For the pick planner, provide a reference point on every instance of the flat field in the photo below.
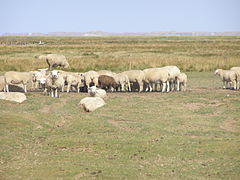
(116, 53)
(177, 135)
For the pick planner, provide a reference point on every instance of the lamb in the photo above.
(182, 80)
(13, 77)
(157, 75)
(228, 76)
(107, 82)
(173, 71)
(96, 92)
(136, 76)
(91, 78)
(54, 83)
(2, 83)
(122, 81)
(55, 60)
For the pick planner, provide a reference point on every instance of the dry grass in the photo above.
(115, 53)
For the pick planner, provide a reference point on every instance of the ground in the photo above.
(177, 135)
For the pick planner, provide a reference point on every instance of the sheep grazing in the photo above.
(96, 92)
(173, 71)
(13, 77)
(91, 78)
(122, 81)
(228, 76)
(107, 82)
(54, 83)
(182, 80)
(2, 83)
(74, 80)
(136, 76)
(55, 60)
(157, 75)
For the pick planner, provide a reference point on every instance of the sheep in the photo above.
(157, 75)
(136, 76)
(91, 78)
(107, 82)
(182, 80)
(37, 75)
(55, 60)
(96, 92)
(13, 77)
(54, 83)
(122, 81)
(236, 69)
(74, 80)
(174, 71)
(228, 76)
(2, 83)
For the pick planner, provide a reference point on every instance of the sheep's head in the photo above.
(92, 89)
(218, 71)
(54, 74)
(42, 81)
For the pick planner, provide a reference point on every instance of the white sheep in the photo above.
(91, 78)
(182, 81)
(74, 80)
(13, 77)
(122, 81)
(54, 83)
(228, 76)
(96, 92)
(55, 60)
(173, 71)
(157, 75)
(136, 76)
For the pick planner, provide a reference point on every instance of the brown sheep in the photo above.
(107, 82)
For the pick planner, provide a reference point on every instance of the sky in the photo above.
(18, 16)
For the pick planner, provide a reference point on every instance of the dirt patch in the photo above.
(229, 126)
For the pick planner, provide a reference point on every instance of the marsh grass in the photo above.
(184, 135)
(116, 53)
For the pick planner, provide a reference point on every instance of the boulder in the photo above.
(90, 104)
(13, 96)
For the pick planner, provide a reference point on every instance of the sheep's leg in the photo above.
(164, 87)
(140, 87)
(52, 93)
(224, 84)
(178, 84)
(129, 87)
(7, 88)
(25, 88)
(68, 87)
(234, 85)
(167, 86)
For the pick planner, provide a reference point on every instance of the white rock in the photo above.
(13, 96)
(90, 104)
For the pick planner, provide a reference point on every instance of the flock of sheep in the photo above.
(164, 79)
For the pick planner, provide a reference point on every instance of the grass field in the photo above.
(116, 53)
(184, 135)
(177, 135)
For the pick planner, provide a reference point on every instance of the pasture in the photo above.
(177, 135)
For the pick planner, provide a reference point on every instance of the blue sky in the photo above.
(119, 16)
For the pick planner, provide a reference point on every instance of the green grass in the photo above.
(179, 135)
(201, 53)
